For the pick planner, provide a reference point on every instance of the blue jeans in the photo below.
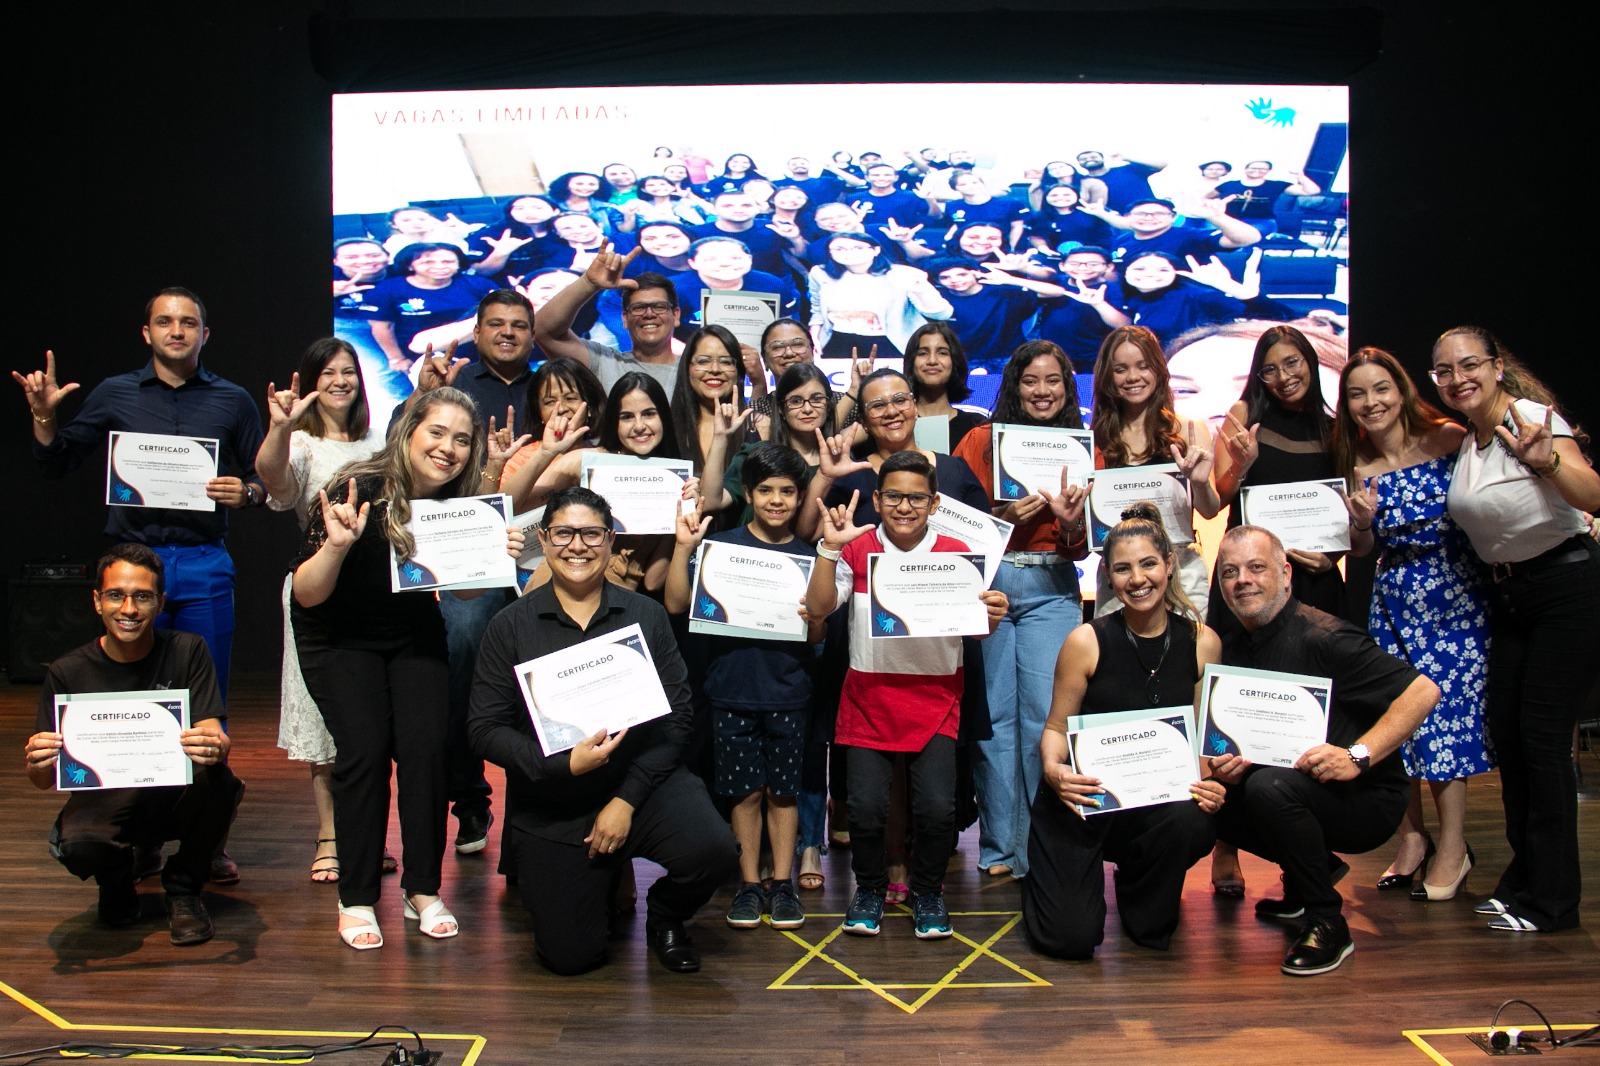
(465, 622)
(1019, 662)
(199, 584)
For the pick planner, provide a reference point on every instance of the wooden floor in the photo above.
(763, 996)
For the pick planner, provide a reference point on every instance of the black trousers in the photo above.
(1544, 629)
(569, 894)
(382, 707)
(1285, 817)
(931, 776)
(95, 833)
(1064, 894)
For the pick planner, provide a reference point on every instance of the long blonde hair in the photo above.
(392, 466)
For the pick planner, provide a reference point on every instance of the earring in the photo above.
(1499, 377)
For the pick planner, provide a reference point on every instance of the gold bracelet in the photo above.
(1552, 469)
(43, 421)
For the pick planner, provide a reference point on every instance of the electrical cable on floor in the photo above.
(285, 1053)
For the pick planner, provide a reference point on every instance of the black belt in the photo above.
(1574, 549)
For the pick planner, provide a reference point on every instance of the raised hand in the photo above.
(439, 371)
(505, 244)
(726, 422)
(1243, 445)
(1193, 459)
(284, 406)
(1362, 505)
(786, 230)
(1013, 261)
(752, 363)
(1215, 275)
(343, 521)
(1211, 206)
(860, 368)
(900, 234)
(39, 388)
(605, 269)
(834, 455)
(503, 443)
(1086, 295)
(1091, 207)
(1068, 504)
(563, 432)
(346, 286)
(839, 523)
(993, 275)
(1534, 443)
(692, 528)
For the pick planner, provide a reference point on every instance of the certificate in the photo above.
(532, 552)
(607, 683)
(1140, 759)
(1268, 717)
(461, 544)
(645, 494)
(1307, 515)
(749, 592)
(122, 740)
(978, 530)
(153, 470)
(1030, 458)
(926, 594)
(933, 433)
(744, 314)
(1116, 490)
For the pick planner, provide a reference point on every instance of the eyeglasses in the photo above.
(1443, 375)
(878, 407)
(592, 536)
(798, 345)
(639, 310)
(1292, 365)
(721, 362)
(919, 501)
(116, 598)
(794, 403)
(1150, 214)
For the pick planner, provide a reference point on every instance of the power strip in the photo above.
(1500, 1043)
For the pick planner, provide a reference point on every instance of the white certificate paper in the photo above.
(1140, 760)
(749, 592)
(461, 544)
(1030, 458)
(978, 530)
(154, 470)
(122, 740)
(926, 594)
(1307, 515)
(532, 553)
(1268, 717)
(1114, 491)
(644, 494)
(744, 314)
(607, 683)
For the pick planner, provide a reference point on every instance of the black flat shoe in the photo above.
(1393, 882)
(675, 948)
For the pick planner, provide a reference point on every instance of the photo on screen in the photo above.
(1011, 212)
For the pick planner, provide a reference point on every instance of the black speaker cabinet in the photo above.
(49, 616)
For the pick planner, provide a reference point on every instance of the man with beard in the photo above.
(1125, 180)
(650, 315)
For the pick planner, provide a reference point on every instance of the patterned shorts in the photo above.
(758, 749)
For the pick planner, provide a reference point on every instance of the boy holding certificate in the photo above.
(758, 689)
(900, 696)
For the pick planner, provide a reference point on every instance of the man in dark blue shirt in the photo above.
(736, 217)
(1081, 319)
(1127, 181)
(171, 395)
(820, 188)
(1149, 228)
(881, 201)
(991, 307)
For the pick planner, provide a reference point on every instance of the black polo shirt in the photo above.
(542, 795)
(1366, 679)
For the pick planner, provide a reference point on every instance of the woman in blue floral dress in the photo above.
(1429, 605)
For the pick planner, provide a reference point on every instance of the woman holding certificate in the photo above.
(1429, 603)
(1519, 487)
(375, 660)
(1040, 581)
(1135, 425)
(309, 439)
(1148, 656)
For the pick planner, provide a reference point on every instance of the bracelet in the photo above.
(1361, 529)
(825, 552)
(1552, 469)
(43, 421)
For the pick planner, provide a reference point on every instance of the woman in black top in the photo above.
(375, 661)
(1149, 654)
(936, 366)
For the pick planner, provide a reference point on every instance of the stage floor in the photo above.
(276, 972)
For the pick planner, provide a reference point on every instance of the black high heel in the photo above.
(1392, 882)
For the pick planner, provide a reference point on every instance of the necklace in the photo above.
(1152, 689)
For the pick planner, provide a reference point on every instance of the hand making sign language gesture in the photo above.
(39, 388)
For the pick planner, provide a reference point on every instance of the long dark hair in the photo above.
(881, 263)
(956, 390)
(575, 376)
(1008, 403)
(791, 380)
(686, 402)
(561, 188)
(637, 381)
(312, 363)
(523, 229)
(1258, 399)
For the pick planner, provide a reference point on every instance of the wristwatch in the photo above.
(251, 499)
(1360, 755)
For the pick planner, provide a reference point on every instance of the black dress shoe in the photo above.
(1323, 945)
(473, 834)
(189, 921)
(119, 903)
(1280, 910)
(224, 871)
(675, 948)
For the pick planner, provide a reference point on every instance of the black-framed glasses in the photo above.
(592, 536)
(642, 310)
(919, 501)
(141, 598)
(879, 406)
(1291, 365)
(794, 403)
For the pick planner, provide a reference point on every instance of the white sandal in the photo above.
(349, 933)
(432, 916)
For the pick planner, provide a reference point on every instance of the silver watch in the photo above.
(1360, 755)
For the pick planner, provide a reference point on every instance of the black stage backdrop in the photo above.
(188, 144)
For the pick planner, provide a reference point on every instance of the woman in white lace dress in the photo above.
(311, 437)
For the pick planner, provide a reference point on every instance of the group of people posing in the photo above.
(1479, 627)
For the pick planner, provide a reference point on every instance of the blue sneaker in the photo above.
(929, 916)
(865, 916)
(748, 904)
